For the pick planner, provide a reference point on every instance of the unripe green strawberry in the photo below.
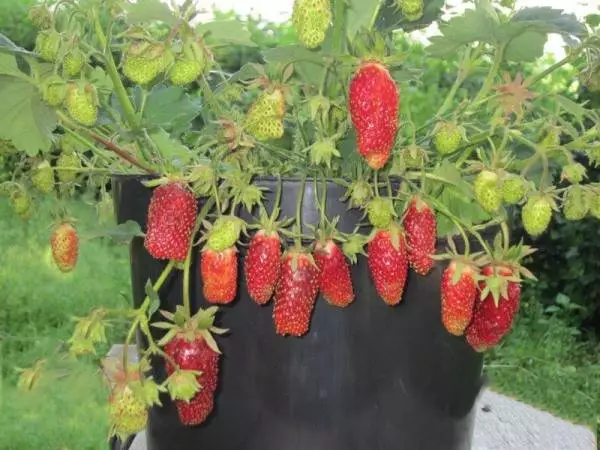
(411, 9)
(47, 44)
(267, 129)
(21, 203)
(144, 62)
(513, 190)
(224, 233)
(381, 212)
(73, 63)
(82, 103)
(66, 167)
(413, 157)
(447, 137)
(184, 71)
(595, 204)
(54, 90)
(264, 120)
(536, 215)
(576, 203)
(574, 173)
(488, 191)
(128, 414)
(311, 20)
(43, 177)
(40, 17)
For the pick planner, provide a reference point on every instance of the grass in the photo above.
(36, 306)
(541, 363)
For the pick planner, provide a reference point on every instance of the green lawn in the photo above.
(540, 363)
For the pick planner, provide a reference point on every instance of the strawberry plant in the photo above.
(118, 88)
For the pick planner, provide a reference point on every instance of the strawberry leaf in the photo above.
(149, 11)
(232, 32)
(26, 120)
(153, 296)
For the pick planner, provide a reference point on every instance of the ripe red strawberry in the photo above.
(219, 272)
(171, 218)
(459, 292)
(262, 265)
(65, 246)
(388, 263)
(295, 294)
(193, 348)
(490, 321)
(374, 101)
(421, 234)
(335, 282)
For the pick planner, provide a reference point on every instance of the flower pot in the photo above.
(368, 376)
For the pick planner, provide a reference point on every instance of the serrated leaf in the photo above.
(170, 108)
(149, 11)
(100, 79)
(550, 19)
(8, 66)
(360, 14)
(247, 72)
(390, 16)
(473, 25)
(291, 53)
(26, 120)
(572, 107)
(526, 47)
(6, 45)
(153, 296)
(171, 150)
(227, 31)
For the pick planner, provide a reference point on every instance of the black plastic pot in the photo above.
(367, 377)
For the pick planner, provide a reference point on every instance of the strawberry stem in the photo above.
(298, 239)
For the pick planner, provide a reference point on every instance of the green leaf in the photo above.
(360, 14)
(6, 45)
(26, 120)
(227, 31)
(149, 11)
(291, 53)
(550, 19)
(527, 47)
(473, 25)
(8, 66)
(573, 108)
(122, 233)
(153, 296)
(99, 78)
(170, 108)
(390, 17)
(171, 150)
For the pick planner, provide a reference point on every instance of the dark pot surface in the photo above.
(366, 377)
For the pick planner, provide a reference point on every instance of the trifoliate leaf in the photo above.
(26, 120)
(226, 31)
(149, 11)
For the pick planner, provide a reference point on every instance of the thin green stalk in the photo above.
(489, 80)
(338, 26)
(113, 73)
(460, 77)
(298, 239)
(187, 305)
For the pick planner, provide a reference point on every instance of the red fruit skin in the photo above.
(374, 100)
(219, 272)
(64, 243)
(491, 323)
(295, 294)
(262, 266)
(458, 300)
(421, 235)
(335, 281)
(195, 355)
(171, 218)
(388, 265)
